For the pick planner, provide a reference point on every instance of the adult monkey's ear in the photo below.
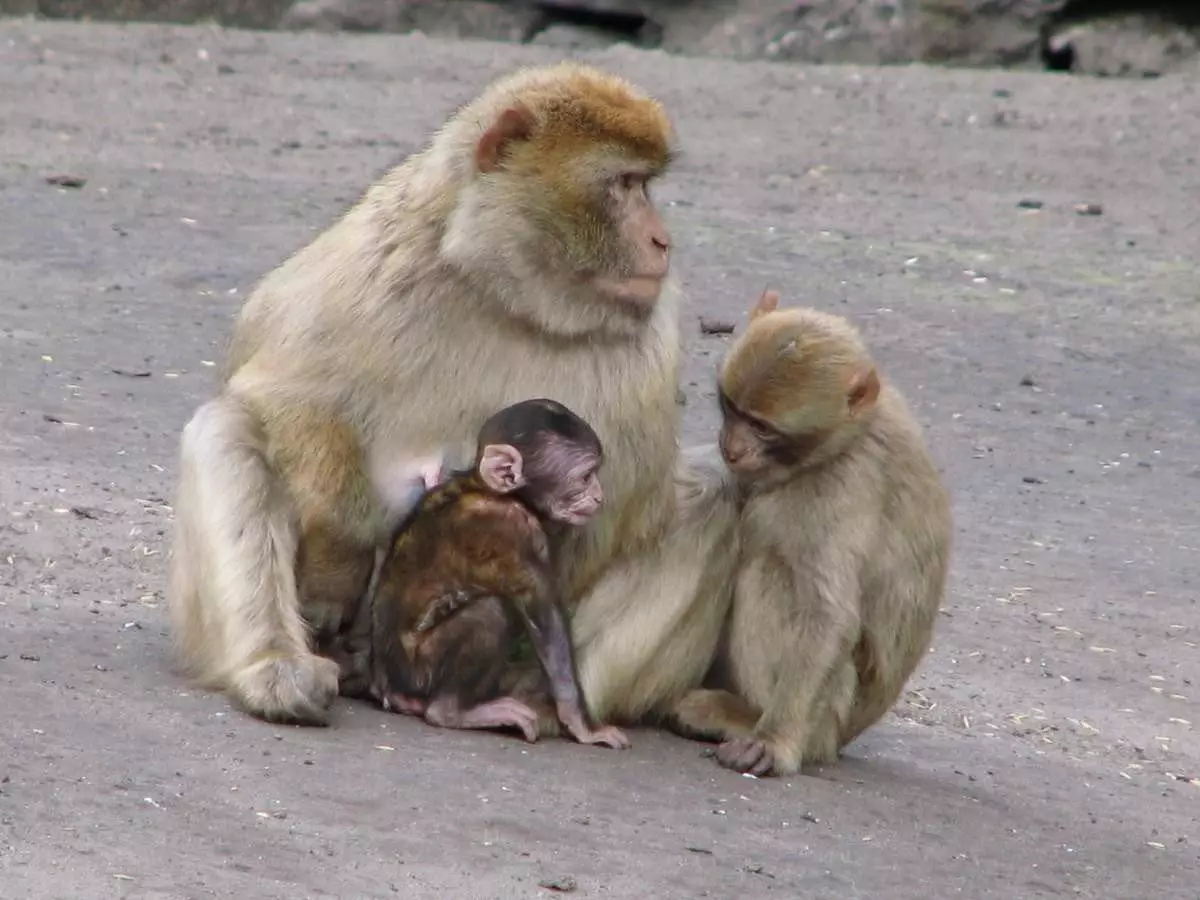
(500, 467)
(514, 124)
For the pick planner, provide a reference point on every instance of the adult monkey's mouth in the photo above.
(638, 291)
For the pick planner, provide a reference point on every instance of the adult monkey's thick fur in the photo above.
(474, 274)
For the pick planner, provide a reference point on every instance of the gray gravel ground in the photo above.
(1047, 748)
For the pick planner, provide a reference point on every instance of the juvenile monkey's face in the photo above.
(578, 495)
(745, 446)
(756, 449)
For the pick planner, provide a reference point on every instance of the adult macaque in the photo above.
(471, 569)
(846, 539)
(519, 254)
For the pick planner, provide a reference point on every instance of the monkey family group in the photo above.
(448, 430)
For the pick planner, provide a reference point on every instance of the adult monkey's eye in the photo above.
(630, 181)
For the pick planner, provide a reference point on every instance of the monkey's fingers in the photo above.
(748, 755)
(611, 736)
(606, 736)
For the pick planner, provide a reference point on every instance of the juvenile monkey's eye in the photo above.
(629, 181)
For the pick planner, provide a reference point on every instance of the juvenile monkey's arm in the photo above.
(542, 616)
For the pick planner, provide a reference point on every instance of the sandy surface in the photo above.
(1046, 746)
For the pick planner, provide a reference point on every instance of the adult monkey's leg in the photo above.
(235, 612)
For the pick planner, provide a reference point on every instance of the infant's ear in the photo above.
(500, 468)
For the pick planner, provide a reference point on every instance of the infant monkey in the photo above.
(472, 564)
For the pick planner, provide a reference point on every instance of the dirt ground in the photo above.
(1047, 748)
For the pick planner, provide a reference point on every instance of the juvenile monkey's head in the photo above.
(547, 455)
(795, 390)
(553, 212)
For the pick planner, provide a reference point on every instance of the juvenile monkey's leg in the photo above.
(233, 601)
(648, 631)
(503, 712)
(796, 664)
(547, 629)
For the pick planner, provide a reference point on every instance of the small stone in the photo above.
(1027, 381)
(1033, 479)
(1029, 204)
(716, 326)
(1089, 209)
(67, 181)
(564, 885)
(30, 657)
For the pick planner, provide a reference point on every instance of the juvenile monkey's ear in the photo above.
(863, 391)
(766, 303)
(515, 124)
(500, 468)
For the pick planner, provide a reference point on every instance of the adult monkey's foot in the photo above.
(296, 689)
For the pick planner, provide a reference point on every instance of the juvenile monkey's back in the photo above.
(463, 537)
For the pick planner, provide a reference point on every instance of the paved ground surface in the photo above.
(1047, 747)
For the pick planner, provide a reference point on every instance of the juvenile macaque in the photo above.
(846, 536)
(520, 253)
(473, 566)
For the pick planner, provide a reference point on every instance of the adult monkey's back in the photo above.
(519, 255)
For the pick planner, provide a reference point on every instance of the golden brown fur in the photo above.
(458, 284)
(846, 536)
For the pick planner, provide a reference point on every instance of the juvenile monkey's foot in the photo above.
(404, 704)
(504, 712)
(295, 689)
(747, 755)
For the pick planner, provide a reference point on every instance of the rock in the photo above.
(575, 37)
(972, 32)
(238, 13)
(456, 18)
(1140, 46)
(862, 31)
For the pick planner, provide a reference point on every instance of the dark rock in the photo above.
(1138, 45)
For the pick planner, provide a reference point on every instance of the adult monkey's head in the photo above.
(552, 212)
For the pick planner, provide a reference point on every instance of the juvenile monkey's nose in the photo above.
(730, 450)
(661, 241)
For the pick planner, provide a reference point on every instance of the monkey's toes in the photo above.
(405, 705)
(293, 689)
(746, 755)
(520, 716)
(610, 736)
